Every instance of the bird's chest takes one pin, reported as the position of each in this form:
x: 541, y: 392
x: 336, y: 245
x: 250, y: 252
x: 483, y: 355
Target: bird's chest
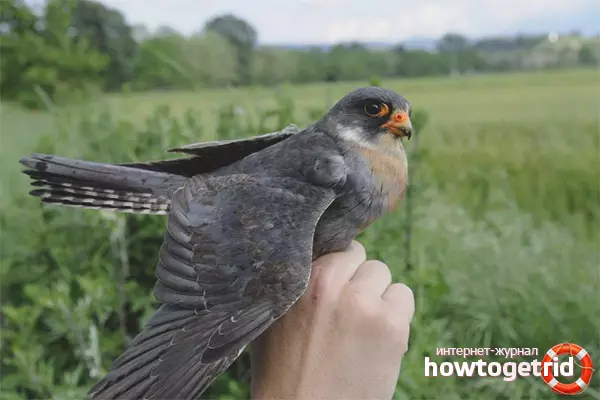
x: 389, y: 174
x: 374, y: 188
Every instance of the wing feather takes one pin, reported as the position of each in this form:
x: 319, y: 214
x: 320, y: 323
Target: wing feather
x: 236, y: 255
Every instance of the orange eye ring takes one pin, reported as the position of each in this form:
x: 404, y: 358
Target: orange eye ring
x: 377, y: 110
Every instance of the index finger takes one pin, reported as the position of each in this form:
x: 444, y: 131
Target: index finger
x: 401, y: 298
x: 342, y: 264
x: 332, y: 272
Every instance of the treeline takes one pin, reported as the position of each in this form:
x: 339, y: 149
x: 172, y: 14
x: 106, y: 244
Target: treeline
x: 70, y: 48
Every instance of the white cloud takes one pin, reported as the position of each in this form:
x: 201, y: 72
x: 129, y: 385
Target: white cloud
x: 323, y: 3
x: 365, y: 30
x: 324, y: 21
x: 434, y: 18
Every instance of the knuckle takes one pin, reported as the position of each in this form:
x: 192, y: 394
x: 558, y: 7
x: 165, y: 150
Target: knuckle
x: 323, y: 282
x: 380, y: 267
x: 393, y: 324
x: 402, y: 296
x: 361, y: 302
x: 396, y: 329
x: 358, y: 249
x: 405, y: 290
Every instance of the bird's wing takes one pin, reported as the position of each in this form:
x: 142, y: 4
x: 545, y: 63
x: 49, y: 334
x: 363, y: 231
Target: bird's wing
x: 245, y: 145
x: 237, y: 254
x: 209, y: 156
x: 144, y: 187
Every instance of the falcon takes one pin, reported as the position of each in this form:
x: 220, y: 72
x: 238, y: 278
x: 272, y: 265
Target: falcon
x: 246, y: 218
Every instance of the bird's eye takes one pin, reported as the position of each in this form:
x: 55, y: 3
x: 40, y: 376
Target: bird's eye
x: 376, y: 109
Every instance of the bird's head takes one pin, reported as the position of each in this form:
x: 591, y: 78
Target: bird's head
x: 370, y: 116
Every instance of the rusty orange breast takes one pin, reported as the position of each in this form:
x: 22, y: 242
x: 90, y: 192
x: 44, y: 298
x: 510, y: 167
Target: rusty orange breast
x: 390, y: 172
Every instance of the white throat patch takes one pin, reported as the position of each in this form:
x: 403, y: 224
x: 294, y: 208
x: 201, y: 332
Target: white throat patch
x: 386, y: 144
x: 355, y: 136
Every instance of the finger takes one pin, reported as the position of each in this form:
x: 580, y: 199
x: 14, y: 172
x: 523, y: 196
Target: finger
x: 402, y: 300
x: 341, y: 265
x: 372, y: 276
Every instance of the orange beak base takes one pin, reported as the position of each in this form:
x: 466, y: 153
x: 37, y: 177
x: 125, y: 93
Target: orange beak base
x: 399, y: 124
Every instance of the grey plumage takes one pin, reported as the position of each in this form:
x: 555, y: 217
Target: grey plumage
x: 218, y: 300
x: 135, y: 187
x: 240, y: 237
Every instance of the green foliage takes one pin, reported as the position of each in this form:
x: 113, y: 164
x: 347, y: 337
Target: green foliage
x: 39, y: 55
x: 171, y: 61
x: 587, y: 56
x: 157, y: 66
x: 107, y: 32
x: 242, y: 37
x: 375, y: 81
x: 310, y: 65
x: 74, y: 48
x: 499, y: 243
x: 81, y: 306
x: 420, y: 63
x: 272, y: 66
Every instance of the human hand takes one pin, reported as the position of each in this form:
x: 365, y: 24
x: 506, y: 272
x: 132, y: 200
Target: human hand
x: 344, y: 339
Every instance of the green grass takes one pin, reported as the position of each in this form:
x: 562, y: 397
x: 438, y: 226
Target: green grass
x: 504, y: 247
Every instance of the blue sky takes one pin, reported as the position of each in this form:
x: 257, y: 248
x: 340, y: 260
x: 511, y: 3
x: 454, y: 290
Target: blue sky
x: 329, y: 21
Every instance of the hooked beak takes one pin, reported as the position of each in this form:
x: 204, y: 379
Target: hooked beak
x: 399, y: 124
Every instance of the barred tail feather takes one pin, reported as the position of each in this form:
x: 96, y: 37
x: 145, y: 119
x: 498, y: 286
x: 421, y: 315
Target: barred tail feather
x: 92, y: 185
x: 107, y: 199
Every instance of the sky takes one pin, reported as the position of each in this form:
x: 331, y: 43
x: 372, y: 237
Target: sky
x: 389, y: 21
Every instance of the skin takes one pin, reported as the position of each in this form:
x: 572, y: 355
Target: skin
x: 344, y: 339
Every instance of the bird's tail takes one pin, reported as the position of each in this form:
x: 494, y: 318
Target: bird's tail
x: 95, y: 185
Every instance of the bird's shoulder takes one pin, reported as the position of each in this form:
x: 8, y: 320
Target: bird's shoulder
x: 310, y: 156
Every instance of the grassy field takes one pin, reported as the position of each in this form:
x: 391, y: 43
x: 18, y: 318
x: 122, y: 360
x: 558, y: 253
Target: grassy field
x: 504, y: 246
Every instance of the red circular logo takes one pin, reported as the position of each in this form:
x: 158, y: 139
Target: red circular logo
x: 587, y: 368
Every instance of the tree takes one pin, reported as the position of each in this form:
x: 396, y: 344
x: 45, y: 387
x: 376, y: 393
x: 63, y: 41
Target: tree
x: 348, y: 61
x: 19, y: 23
x: 310, y: 65
x: 169, y: 60
x: 272, y: 66
x: 452, y: 43
x: 40, y: 54
x: 210, y: 60
x: 586, y: 56
x: 159, y: 63
x: 243, y: 38
x: 421, y: 63
x: 107, y: 31
x: 459, y: 53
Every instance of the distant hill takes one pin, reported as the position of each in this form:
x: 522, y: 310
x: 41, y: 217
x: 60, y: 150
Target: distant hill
x: 545, y: 51
x: 521, y: 51
x: 423, y: 43
x: 500, y: 45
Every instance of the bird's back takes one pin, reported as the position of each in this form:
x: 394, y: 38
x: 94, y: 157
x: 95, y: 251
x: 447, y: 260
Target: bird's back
x: 311, y: 156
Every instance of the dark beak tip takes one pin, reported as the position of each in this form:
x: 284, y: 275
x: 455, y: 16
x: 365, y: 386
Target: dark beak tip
x: 407, y: 132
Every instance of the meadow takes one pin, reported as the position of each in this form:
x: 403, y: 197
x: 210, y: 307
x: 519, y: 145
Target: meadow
x: 499, y: 238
